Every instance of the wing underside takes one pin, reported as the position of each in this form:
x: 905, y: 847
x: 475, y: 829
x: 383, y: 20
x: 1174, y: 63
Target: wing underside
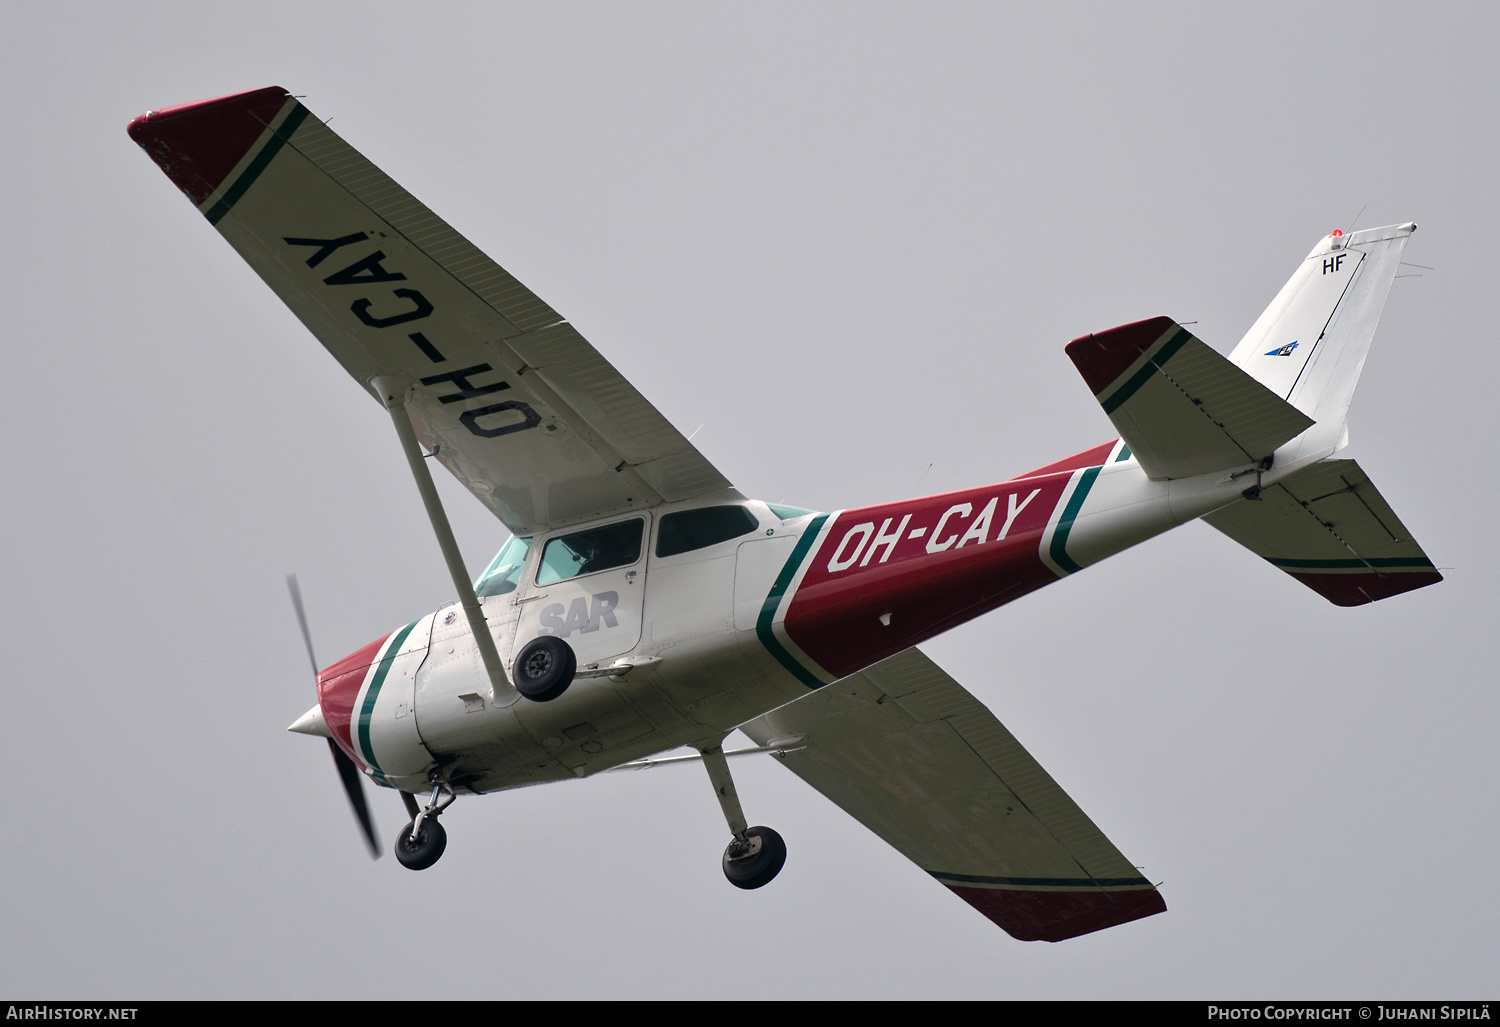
x: 518, y: 405
x: 909, y: 753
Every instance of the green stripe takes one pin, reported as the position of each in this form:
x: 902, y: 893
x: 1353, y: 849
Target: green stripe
x: 1059, y: 548
x: 1152, y: 365
x: 763, y: 629
x: 262, y: 159
x: 1123, y: 455
x: 1044, y: 882
x: 1375, y: 561
x: 366, y: 710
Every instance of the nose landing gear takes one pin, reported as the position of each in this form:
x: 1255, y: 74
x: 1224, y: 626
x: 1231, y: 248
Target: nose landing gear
x: 421, y: 843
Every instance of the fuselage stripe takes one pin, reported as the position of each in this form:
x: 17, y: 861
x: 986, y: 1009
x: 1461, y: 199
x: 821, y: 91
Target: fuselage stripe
x: 367, y: 708
x: 1059, y: 547
x: 763, y: 624
x: 262, y: 160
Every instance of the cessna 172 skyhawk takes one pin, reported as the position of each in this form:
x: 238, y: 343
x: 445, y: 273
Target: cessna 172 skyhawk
x: 643, y: 604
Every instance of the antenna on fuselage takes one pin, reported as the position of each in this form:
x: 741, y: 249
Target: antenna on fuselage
x: 918, y: 489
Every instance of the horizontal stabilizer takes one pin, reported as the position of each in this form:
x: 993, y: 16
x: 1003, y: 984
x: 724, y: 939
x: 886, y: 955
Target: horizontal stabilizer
x: 907, y: 752
x: 1182, y: 408
x: 1329, y: 528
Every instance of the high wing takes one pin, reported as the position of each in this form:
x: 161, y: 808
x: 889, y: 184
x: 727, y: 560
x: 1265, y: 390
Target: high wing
x: 907, y: 752
x: 515, y: 402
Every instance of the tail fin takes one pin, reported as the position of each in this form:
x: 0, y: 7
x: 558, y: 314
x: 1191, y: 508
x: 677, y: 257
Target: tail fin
x: 1310, y: 344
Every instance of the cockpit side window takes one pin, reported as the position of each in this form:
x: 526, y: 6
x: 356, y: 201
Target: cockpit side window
x: 696, y: 529
x: 584, y: 552
x: 504, y: 572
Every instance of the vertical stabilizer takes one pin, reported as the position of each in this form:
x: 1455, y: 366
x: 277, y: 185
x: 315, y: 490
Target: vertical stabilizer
x: 1310, y: 344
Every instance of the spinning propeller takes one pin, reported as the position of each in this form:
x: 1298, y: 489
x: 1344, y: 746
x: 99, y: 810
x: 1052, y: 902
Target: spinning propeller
x: 348, y: 772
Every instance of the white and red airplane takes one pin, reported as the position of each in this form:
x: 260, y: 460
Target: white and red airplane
x: 644, y: 604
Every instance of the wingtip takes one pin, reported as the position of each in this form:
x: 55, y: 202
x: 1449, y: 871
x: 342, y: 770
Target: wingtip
x: 198, y: 143
x: 1060, y: 915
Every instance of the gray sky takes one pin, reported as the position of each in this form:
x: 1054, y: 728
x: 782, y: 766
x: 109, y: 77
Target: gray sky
x: 850, y: 241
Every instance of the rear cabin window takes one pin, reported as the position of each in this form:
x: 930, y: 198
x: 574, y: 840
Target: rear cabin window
x: 584, y: 552
x: 695, y: 529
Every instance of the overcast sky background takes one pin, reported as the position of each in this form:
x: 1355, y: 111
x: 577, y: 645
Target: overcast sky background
x: 850, y: 240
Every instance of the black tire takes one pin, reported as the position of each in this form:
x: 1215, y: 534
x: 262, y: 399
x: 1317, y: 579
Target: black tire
x: 544, y: 668
x: 756, y: 870
x: 426, y: 850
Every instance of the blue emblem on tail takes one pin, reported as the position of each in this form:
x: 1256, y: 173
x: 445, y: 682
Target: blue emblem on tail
x: 1284, y: 351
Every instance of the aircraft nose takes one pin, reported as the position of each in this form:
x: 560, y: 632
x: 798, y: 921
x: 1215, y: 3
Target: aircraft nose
x: 338, y: 690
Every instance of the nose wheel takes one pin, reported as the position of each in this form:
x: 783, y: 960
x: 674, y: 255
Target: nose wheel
x: 421, y: 843
x: 418, y: 847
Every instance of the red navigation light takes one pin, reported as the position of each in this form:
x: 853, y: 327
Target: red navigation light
x: 1336, y: 233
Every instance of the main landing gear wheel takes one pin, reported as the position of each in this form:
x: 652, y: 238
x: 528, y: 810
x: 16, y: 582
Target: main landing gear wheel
x: 544, y: 668
x: 426, y: 849
x: 754, y: 862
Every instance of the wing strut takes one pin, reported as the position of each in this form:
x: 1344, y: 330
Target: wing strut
x: 393, y: 395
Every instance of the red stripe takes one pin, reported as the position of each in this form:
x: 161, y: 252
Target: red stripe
x: 1060, y: 915
x: 338, y: 688
x: 1104, y: 356
x: 198, y: 144
x: 835, y: 614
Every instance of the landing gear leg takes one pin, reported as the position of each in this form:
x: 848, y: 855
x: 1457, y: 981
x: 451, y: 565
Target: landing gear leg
x: 421, y: 843
x: 755, y: 854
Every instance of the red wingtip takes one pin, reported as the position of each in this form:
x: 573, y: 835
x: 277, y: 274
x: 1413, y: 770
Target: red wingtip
x: 1060, y: 915
x: 197, y: 144
x: 1104, y: 356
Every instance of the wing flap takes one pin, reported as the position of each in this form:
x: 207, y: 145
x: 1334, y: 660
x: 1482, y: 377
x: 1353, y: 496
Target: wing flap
x: 1331, y: 529
x: 909, y: 753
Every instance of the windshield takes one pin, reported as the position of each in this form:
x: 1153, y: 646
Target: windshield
x: 504, y: 572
